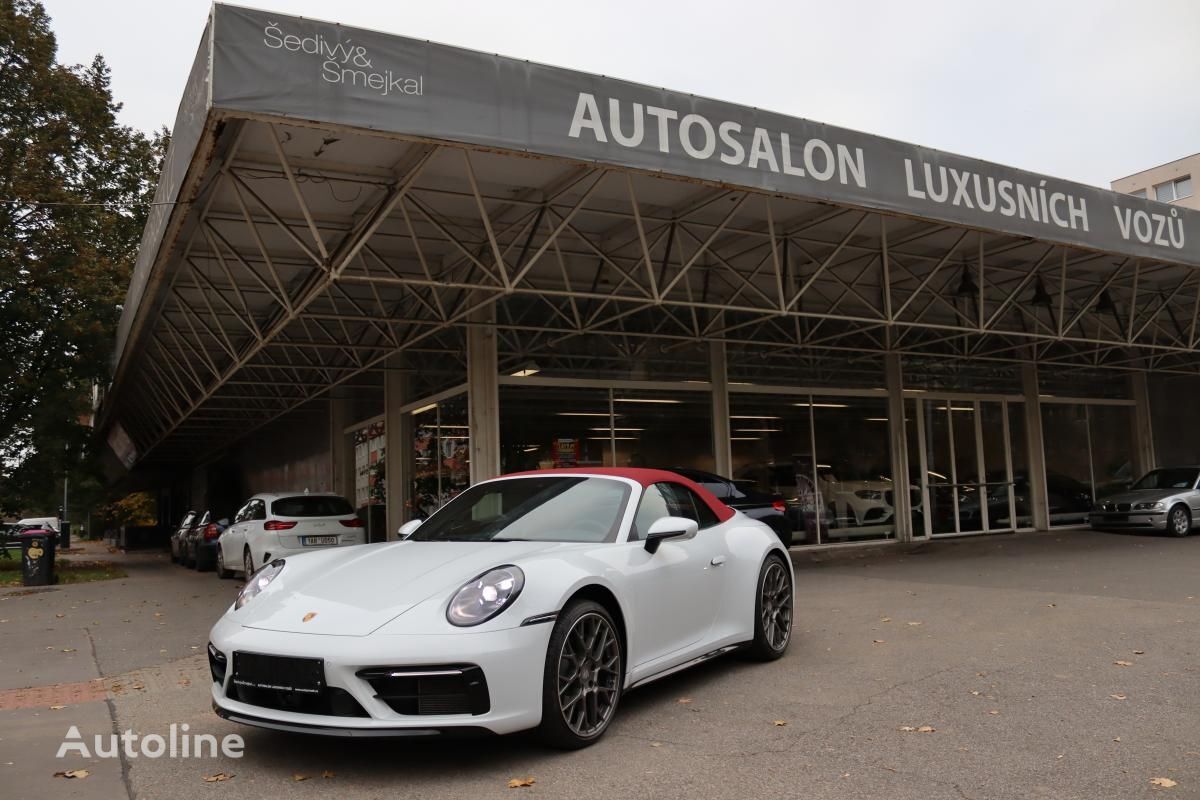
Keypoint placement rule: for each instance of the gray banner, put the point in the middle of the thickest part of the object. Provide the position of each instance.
(274, 64)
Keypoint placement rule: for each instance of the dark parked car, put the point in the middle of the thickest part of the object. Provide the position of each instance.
(177, 538)
(200, 543)
(767, 508)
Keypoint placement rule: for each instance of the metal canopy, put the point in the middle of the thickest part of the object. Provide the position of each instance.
(301, 254)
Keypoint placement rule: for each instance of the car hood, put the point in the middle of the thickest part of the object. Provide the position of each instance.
(352, 591)
(1141, 496)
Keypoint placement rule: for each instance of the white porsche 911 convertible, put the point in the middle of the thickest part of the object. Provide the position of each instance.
(529, 601)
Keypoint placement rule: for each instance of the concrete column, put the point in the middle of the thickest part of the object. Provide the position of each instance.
(397, 390)
(341, 449)
(722, 454)
(483, 399)
(1035, 447)
(1144, 457)
(898, 435)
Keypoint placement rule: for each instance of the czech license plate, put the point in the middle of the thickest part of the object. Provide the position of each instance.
(259, 671)
(318, 541)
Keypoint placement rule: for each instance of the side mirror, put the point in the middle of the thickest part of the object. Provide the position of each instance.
(408, 528)
(669, 528)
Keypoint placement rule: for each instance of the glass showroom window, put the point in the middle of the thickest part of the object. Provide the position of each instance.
(829, 458)
(1019, 447)
(1111, 432)
(1068, 462)
(662, 429)
(547, 426)
(441, 454)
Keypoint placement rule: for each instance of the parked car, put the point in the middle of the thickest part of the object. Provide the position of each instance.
(1165, 499)
(533, 600)
(46, 523)
(181, 531)
(769, 509)
(200, 542)
(272, 526)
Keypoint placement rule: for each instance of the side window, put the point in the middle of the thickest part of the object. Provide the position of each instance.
(651, 507)
(241, 514)
(258, 510)
(690, 506)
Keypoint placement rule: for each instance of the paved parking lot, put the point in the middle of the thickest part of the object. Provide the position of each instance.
(1048, 666)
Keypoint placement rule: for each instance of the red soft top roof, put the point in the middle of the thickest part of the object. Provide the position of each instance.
(643, 476)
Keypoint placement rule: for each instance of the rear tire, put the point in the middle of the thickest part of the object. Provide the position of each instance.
(583, 677)
(1179, 521)
(222, 573)
(773, 602)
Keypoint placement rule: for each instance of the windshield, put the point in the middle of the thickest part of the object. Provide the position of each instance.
(1168, 479)
(312, 505)
(536, 509)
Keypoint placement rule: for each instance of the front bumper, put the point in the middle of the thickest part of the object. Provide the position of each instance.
(1133, 520)
(512, 661)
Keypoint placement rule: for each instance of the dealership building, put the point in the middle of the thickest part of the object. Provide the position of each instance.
(390, 268)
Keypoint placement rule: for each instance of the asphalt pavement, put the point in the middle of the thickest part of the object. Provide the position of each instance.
(1053, 665)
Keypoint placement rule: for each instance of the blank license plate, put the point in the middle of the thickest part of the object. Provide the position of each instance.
(318, 541)
(258, 671)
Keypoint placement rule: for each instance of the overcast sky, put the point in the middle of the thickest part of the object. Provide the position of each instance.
(1086, 90)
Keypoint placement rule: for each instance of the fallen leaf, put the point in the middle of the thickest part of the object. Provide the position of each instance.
(975, 693)
(57, 708)
(1164, 783)
(297, 777)
(327, 773)
(1139, 652)
(994, 713)
(914, 624)
(138, 686)
(684, 700)
(886, 619)
(220, 776)
(926, 729)
(517, 783)
(1123, 663)
(779, 723)
(73, 773)
(158, 613)
(906, 728)
(879, 641)
(656, 744)
(1117, 696)
(60, 616)
(1050, 605)
(185, 682)
(1117, 739)
(68, 649)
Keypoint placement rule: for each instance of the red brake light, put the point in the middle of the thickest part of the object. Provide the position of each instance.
(278, 525)
(779, 506)
(352, 523)
(211, 531)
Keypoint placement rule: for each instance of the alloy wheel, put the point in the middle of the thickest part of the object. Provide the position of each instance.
(1180, 522)
(589, 675)
(776, 605)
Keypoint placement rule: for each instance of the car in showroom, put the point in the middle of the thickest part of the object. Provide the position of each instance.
(530, 601)
(769, 509)
(274, 526)
(1166, 499)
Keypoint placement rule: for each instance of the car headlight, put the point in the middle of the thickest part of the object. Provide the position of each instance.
(1159, 506)
(486, 596)
(259, 581)
(869, 494)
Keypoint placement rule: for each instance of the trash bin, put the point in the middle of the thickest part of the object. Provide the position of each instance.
(37, 557)
(64, 535)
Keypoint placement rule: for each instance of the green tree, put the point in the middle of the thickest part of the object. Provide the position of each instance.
(75, 188)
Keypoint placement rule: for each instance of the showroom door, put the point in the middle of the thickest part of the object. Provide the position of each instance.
(965, 465)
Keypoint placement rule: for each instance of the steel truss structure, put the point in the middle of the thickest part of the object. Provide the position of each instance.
(312, 254)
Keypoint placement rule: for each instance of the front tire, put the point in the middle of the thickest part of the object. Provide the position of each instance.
(1179, 521)
(772, 610)
(221, 571)
(581, 683)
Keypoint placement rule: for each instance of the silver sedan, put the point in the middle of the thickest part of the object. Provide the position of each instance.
(1165, 499)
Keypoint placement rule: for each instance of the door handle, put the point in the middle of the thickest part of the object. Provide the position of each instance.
(717, 561)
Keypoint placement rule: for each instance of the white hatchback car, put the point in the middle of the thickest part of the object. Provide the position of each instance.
(272, 526)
